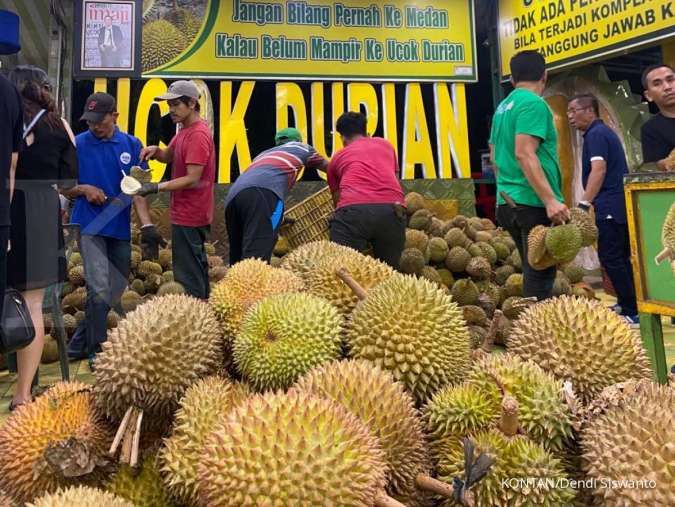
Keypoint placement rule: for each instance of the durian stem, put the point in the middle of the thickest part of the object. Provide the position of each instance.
(435, 486)
(127, 443)
(663, 255)
(120, 432)
(508, 423)
(384, 500)
(489, 341)
(344, 275)
(137, 440)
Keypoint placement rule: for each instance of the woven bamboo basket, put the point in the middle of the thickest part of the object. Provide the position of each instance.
(308, 220)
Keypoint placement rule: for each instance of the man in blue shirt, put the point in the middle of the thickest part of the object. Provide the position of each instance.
(603, 163)
(103, 213)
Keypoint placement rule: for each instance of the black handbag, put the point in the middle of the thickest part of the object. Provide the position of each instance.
(16, 327)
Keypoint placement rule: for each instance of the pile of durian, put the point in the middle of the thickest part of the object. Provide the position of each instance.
(334, 380)
(147, 279)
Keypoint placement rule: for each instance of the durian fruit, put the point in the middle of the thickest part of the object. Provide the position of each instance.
(76, 300)
(50, 350)
(387, 409)
(76, 275)
(66, 289)
(304, 258)
(214, 261)
(479, 268)
(411, 328)
(437, 250)
(79, 317)
(284, 336)
(412, 261)
(416, 239)
(112, 319)
(574, 273)
(165, 258)
(170, 288)
(478, 335)
(446, 277)
(142, 175)
(465, 292)
(130, 300)
(538, 257)
(143, 487)
(501, 248)
(561, 285)
(69, 323)
(586, 226)
(543, 414)
(515, 260)
(420, 220)
(185, 21)
(154, 354)
(474, 315)
(668, 239)
(146, 268)
(459, 221)
(457, 259)
(563, 242)
(135, 260)
(487, 251)
(512, 307)
(456, 238)
(432, 275)
(515, 457)
(580, 340)
(80, 496)
(514, 285)
(167, 277)
(206, 403)
(162, 42)
(633, 441)
(138, 287)
(502, 273)
(58, 440)
(323, 281)
(246, 283)
(413, 202)
(318, 454)
(75, 259)
(210, 248)
(218, 273)
(152, 283)
(436, 228)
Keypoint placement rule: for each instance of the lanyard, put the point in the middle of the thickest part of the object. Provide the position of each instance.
(27, 129)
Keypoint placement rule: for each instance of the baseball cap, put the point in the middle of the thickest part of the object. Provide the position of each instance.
(97, 106)
(286, 135)
(180, 89)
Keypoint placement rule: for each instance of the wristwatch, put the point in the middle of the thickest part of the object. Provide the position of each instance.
(584, 205)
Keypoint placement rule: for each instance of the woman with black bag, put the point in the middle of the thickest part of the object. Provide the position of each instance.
(36, 258)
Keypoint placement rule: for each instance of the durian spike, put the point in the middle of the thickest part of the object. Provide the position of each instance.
(344, 275)
(383, 500)
(120, 432)
(663, 255)
(508, 424)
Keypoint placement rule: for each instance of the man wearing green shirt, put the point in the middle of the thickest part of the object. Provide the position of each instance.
(523, 147)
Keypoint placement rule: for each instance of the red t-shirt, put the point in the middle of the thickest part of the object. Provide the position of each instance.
(365, 172)
(193, 207)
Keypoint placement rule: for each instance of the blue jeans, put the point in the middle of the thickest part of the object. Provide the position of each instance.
(106, 269)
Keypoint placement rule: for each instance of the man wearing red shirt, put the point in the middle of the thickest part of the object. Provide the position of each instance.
(192, 155)
(363, 178)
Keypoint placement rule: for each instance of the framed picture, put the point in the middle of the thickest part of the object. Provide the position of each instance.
(650, 200)
(107, 38)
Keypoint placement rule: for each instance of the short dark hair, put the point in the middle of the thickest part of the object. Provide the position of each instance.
(527, 65)
(655, 66)
(351, 124)
(186, 100)
(588, 100)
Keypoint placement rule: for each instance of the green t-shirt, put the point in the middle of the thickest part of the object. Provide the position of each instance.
(524, 112)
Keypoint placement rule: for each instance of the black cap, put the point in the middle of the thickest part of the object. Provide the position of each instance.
(97, 106)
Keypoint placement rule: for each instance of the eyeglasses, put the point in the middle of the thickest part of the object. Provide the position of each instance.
(576, 110)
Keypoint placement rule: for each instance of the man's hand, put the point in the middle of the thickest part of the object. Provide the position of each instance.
(148, 153)
(94, 195)
(147, 189)
(557, 212)
(151, 240)
(669, 162)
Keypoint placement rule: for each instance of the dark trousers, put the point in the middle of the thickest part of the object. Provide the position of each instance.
(614, 255)
(518, 222)
(4, 238)
(190, 264)
(252, 220)
(381, 225)
(106, 270)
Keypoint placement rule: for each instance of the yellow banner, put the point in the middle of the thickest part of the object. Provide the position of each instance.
(567, 32)
(394, 40)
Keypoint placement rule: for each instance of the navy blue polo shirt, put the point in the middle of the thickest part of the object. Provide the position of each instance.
(101, 162)
(601, 143)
